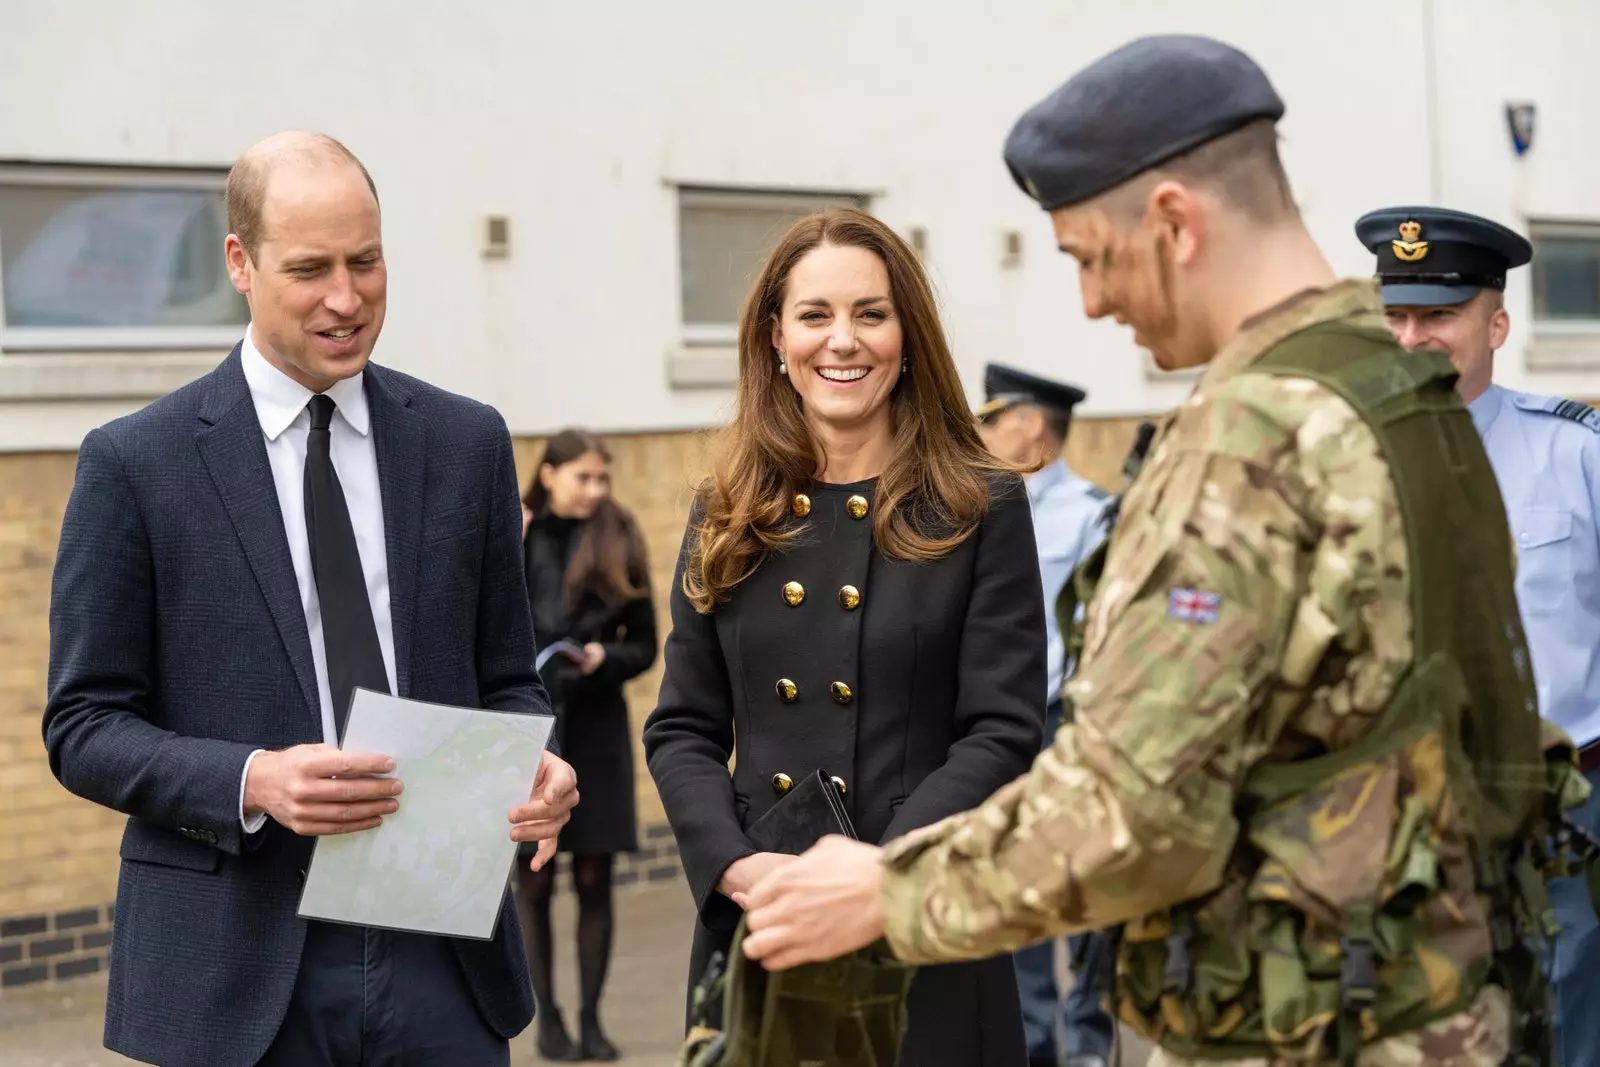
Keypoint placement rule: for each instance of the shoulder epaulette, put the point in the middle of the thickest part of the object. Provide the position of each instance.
(1561, 408)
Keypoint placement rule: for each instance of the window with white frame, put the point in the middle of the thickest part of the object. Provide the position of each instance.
(96, 259)
(1566, 274)
(724, 237)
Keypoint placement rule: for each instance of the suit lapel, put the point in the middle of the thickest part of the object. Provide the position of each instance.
(401, 443)
(231, 444)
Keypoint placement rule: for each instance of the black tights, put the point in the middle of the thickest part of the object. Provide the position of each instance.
(591, 879)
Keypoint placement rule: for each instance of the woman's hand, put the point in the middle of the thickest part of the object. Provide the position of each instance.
(743, 874)
(593, 656)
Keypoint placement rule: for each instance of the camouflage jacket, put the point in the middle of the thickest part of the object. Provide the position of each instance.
(1262, 534)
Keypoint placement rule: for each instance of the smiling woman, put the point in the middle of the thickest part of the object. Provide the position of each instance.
(857, 603)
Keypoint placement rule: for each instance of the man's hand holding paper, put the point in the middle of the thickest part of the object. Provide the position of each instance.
(317, 789)
(549, 806)
(461, 766)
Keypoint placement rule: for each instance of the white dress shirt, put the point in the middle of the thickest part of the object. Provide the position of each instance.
(280, 404)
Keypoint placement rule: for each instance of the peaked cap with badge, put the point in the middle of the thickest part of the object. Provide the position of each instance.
(1436, 257)
(1005, 387)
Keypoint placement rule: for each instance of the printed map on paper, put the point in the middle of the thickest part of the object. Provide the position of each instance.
(440, 864)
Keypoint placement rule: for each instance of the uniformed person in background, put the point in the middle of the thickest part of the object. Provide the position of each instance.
(1443, 277)
(1303, 756)
(1024, 420)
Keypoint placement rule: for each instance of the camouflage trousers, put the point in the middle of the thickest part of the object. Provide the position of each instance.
(1478, 1037)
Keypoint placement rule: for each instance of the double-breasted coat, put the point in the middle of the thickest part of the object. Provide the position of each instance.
(919, 685)
(591, 710)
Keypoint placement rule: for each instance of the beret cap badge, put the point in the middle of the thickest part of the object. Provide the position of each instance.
(1408, 249)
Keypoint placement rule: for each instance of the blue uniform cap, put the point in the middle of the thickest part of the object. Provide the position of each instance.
(1005, 387)
(1435, 257)
(1141, 105)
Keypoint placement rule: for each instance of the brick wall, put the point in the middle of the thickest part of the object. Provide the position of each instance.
(58, 854)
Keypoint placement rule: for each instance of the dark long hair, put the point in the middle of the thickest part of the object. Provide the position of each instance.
(610, 551)
(935, 490)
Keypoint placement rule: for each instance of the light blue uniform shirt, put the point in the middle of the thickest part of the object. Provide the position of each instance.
(1067, 524)
(1546, 454)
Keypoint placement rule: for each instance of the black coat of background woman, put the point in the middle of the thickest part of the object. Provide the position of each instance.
(588, 585)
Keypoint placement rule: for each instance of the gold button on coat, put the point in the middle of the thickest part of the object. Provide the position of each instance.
(856, 506)
(788, 692)
(840, 692)
(793, 593)
(800, 505)
(839, 783)
(849, 598)
(782, 783)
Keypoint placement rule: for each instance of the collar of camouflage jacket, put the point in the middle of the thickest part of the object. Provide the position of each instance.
(1354, 300)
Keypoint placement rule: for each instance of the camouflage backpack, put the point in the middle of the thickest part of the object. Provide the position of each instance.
(1378, 888)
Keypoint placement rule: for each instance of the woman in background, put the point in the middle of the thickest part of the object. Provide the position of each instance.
(858, 596)
(588, 585)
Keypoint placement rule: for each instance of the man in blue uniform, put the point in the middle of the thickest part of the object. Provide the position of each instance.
(1024, 421)
(1443, 278)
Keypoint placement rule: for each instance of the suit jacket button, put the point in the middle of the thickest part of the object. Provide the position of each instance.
(800, 505)
(788, 692)
(208, 836)
(782, 783)
(841, 693)
(849, 598)
(856, 506)
(794, 594)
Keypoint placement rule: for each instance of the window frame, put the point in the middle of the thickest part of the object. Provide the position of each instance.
(706, 354)
(112, 339)
(1560, 344)
(109, 363)
(1542, 229)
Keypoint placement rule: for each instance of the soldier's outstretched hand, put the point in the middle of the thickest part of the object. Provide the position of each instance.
(824, 904)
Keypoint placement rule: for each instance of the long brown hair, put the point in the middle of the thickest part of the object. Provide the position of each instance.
(610, 550)
(935, 489)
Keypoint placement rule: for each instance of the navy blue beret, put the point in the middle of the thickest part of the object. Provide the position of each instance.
(1435, 257)
(1005, 387)
(1146, 102)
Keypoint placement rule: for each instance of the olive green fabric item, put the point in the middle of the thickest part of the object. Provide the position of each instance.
(848, 1012)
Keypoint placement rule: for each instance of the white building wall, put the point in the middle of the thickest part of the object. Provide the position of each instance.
(575, 120)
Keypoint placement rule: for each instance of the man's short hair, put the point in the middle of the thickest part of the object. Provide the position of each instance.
(247, 185)
(1242, 168)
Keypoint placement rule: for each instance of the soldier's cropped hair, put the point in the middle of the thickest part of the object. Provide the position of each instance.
(1242, 168)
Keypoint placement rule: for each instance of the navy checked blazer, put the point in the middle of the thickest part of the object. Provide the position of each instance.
(178, 646)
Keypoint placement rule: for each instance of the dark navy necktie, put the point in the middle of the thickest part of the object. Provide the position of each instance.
(349, 635)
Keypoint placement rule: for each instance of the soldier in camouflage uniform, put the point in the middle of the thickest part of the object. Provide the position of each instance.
(1306, 772)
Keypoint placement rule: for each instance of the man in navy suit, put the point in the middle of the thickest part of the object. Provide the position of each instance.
(235, 559)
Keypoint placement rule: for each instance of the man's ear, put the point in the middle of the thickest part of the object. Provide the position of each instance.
(1179, 216)
(238, 260)
(1499, 327)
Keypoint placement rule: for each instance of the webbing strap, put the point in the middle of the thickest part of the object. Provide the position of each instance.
(1409, 714)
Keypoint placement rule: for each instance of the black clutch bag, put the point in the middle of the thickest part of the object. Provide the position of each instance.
(810, 811)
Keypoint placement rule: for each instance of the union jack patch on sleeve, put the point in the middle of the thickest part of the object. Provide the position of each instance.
(1193, 605)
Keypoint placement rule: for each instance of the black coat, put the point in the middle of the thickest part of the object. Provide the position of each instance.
(591, 711)
(945, 667)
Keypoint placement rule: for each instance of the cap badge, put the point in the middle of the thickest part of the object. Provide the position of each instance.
(1408, 249)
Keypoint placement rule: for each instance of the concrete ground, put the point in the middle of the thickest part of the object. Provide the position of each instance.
(643, 1007)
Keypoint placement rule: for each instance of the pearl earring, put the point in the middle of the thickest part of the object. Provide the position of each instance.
(783, 368)
(905, 365)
